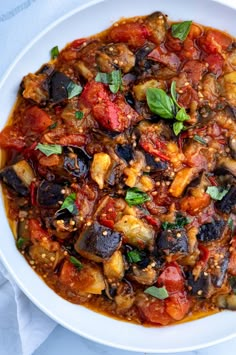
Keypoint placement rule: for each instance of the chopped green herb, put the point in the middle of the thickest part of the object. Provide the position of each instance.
(79, 115)
(53, 125)
(69, 204)
(73, 90)
(216, 192)
(178, 127)
(49, 149)
(54, 52)
(76, 263)
(232, 282)
(160, 103)
(181, 30)
(113, 79)
(158, 292)
(182, 115)
(230, 224)
(173, 93)
(199, 139)
(134, 256)
(21, 242)
(134, 196)
(180, 222)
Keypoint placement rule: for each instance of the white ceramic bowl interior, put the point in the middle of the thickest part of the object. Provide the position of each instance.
(86, 20)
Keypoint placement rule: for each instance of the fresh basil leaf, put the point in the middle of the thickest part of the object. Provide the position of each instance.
(157, 292)
(232, 282)
(76, 263)
(134, 256)
(160, 103)
(73, 90)
(174, 94)
(79, 115)
(180, 222)
(69, 204)
(53, 125)
(20, 243)
(230, 223)
(178, 127)
(199, 139)
(49, 149)
(54, 52)
(114, 79)
(182, 115)
(134, 196)
(216, 192)
(181, 30)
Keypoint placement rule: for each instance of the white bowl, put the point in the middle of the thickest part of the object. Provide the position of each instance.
(84, 21)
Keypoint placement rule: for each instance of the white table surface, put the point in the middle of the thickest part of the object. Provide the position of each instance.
(20, 21)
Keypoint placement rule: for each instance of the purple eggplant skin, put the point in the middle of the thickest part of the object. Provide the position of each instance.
(218, 274)
(228, 202)
(49, 194)
(58, 84)
(10, 178)
(211, 231)
(202, 286)
(172, 241)
(97, 242)
(76, 162)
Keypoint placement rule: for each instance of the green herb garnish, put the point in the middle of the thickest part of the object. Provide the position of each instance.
(76, 263)
(157, 292)
(167, 107)
(181, 30)
(134, 256)
(54, 52)
(53, 125)
(49, 149)
(79, 115)
(69, 204)
(217, 192)
(230, 223)
(180, 222)
(73, 90)
(21, 242)
(113, 79)
(135, 196)
(199, 139)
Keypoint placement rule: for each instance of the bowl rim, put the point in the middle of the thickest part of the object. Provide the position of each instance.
(8, 264)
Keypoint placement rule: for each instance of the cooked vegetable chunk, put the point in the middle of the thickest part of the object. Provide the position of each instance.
(98, 243)
(228, 202)
(173, 241)
(49, 194)
(211, 231)
(99, 168)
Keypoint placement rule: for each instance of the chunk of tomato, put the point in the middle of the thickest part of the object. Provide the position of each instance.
(108, 214)
(155, 312)
(133, 33)
(10, 138)
(195, 204)
(37, 233)
(177, 305)
(36, 119)
(215, 63)
(214, 41)
(172, 278)
(161, 55)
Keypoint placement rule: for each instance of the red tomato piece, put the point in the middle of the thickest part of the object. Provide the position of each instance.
(155, 312)
(188, 96)
(94, 93)
(189, 50)
(73, 139)
(77, 43)
(37, 233)
(177, 305)
(134, 34)
(172, 278)
(215, 41)
(173, 44)
(108, 214)
(10, 138)
(215, 63)
(37, 120)
(194, 70)
(195, 204)
(161, 55)
(107, 114)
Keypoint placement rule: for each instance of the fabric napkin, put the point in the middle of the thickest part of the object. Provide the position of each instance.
(23, 327)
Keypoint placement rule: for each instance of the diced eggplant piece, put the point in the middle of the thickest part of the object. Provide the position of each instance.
(141, 87)
(35, 88)
(99, 168)
(226, 302)
(18, 176)
(228, 202)
(173, 241)
(146, 276)
(49, 194)
(202, 286)
(125, 152)
(76, 162)
(135, 231)
(232, 145)
(98, 243)
(58, 87)
(226, 166)
(155, 166)
(125, 297)
(181, 181)
(218, 274)
(130, 99)
(211, 231)
(114, 56)
(157, 26)
(114, 268)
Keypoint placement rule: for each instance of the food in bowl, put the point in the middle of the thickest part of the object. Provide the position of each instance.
(120, 170)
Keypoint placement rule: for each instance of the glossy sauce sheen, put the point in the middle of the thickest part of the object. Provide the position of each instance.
(120, 172)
